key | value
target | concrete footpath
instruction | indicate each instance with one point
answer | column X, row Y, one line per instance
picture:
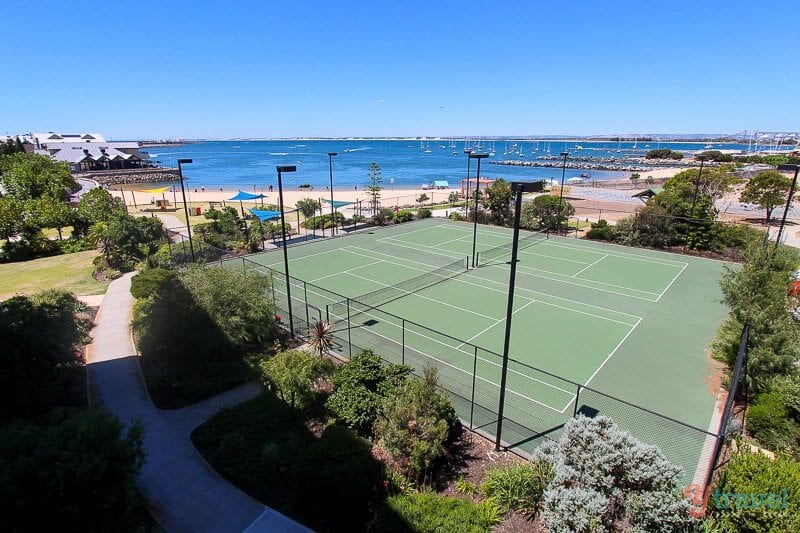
column 183, row 492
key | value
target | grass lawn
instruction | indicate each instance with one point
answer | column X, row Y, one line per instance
column 70, row 272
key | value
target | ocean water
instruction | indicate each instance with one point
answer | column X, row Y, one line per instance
column 408, row 164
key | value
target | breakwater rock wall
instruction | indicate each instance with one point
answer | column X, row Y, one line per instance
column 145, row 175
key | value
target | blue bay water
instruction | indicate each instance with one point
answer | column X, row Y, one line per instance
column 244, row 164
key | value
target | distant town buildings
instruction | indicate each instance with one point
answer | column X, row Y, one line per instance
column 86, row 152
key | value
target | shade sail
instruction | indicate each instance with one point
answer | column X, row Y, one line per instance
column 264, row 215
column 158, row 190
column 337, row 203
column 241, row 195
column 441, row 183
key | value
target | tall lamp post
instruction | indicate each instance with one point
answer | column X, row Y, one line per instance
column 185, row 205
column 282, row 169
column 466, row 207
column 519, row 187
column 477, row 190
column 561, row 192
column 331, row 155
column 786, row 168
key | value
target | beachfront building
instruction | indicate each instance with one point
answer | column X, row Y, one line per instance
column 87, row 152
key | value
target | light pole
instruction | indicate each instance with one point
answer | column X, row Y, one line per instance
column 281, row 169
column 519, row 187
column 331, row 155
column 477, row 190
column 786, row 168
column 185, row 205
column 466, row 197
column 561, row 192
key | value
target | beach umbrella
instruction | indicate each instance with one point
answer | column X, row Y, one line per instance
column 242, row 196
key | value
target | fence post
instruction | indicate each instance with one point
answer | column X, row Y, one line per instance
column 349, row 337
column 327, row 314
column 403, row 342
column 305, row 297
column 577, row 397
column 472, row 399
column 244, row 267
column 272, row 283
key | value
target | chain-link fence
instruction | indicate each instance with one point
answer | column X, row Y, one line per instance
column 538, row 403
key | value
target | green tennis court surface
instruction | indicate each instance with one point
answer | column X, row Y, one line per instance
column 633, row 324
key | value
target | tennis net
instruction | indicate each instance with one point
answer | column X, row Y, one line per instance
column 493, row 254
column 338, row 311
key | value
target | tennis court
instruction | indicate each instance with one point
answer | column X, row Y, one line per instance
column 631, row 323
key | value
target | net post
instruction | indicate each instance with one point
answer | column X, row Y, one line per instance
column 305, row 298
column 472, row 399
column 349, row 337
column 403, row 341
column 477, row 259
column 577, row 397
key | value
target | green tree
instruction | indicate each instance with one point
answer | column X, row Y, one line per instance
column 604, row 477
column 497, row 199
column 11, row 217
column 307, row 206
column 294, row 374
column 415, row 421
column 635, row 177
column 452, row 198
column 422, row 199
column 543, row 213
column 713, row 181
column 374, row 185
column 49, row 212
column 98, row 205
column 77, row 470
column 30, row 176
column 767, row 190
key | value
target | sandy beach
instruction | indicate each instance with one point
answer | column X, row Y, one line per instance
column 389, row 195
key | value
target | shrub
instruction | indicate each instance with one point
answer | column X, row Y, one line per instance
column 517, row 487
column 336, row 480
column 77, row 470
column 754, row 473
column 359, row 387
column 464, row 486
column 424, row 213
column 38, row 340
column 294, row 374
column 768, row 421
column 601, row 231
column 430, row 512
column 544, row 213
column 148, row 282
column 404, row 215
column 415, row 422
column 383, row 216
column 603, row 477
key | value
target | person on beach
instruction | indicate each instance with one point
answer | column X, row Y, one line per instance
column 270, row 188
column 203, row 188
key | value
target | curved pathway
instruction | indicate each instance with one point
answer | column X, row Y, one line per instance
column 183, row 492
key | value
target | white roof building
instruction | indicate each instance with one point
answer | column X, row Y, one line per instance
column 86, row 152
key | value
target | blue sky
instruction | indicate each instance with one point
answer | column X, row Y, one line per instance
column 339, row 68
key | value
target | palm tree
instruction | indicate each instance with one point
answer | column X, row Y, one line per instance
column 320, row 337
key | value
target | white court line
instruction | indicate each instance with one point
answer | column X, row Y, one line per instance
column 575, row 275
column 346, row 271
column 426, row 228
column 523, row 267
column 621, row 255
column 411, row 293
column 552, row 279
column 635, row 256
column 393, row 243
column 671, row 282
column 481, row 332
column 467, row 372
column 526, row 252
column 521, row 289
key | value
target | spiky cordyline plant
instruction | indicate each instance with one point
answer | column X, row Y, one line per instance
column 320, row 337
